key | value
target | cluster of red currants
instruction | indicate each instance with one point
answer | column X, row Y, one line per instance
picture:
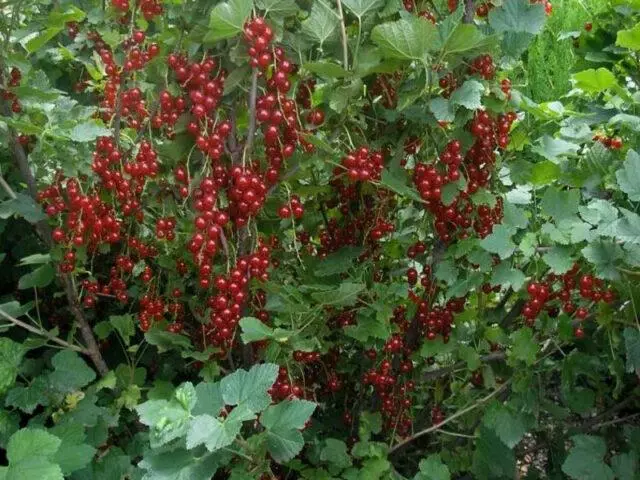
column 437, row 320
column 203, row 86
column 483, row 66
column 362, row 165
column 448, row 83
column 483, row 9
column 170, row 110
column 86, row 219
column 226, row 306
column 306, row 357
column 181, row 177
column 258, row 36
column 165, row 228
column 557, row 292
column 283, row 387
column 247, row 193
column 395, row 399
column 294, row 208
column 208, row 223
column 614, row 143
column 15, row 77
column 149, row 8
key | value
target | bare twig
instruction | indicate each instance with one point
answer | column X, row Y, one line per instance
column 42, row 333
column 456, row 415
column 85, row 329
column 343, row 34
column 444, row 371
column 469, row 11
column 44, row 232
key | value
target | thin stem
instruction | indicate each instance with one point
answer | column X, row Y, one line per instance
column 7, row 188
column 455, row 434
column 343, row 35
column 42, row 333
column 456, row 415
column 118, row 113
column 253, row 94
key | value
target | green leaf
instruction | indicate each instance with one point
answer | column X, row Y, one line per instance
column 629, row 176
column 552, row 148
column 629, row 38
column 177, row 465
column 208, row 399
column 24, row 206
column 327, row 69
column 278, row 8
column 507, row 424
column 73, row 453
column 463, row 38
column 397, row 183
column 469, row 95
column 586, row 459
column 594, row 81
column 338, row 262
column 508, row 277
column 216, row 434
column 321, row 25
column 559, row 259
column 166, row 341
column 227, row 19
column 407, row 39
column 253, row 330
column 11, row 354
column 88, row 131
column 560, row 204
column 36, row 467
column 250, row 388
column 288, row 414
column 42, row 38
column 432, row 468
column 360, row 8
column 40, row 277
column 124, row 326
column 346, row 295
column 499, row 242
column 283, row 422
column 604, row 255
column 518, row 16
column 625, row 466
column 442, row 109
column 284, row 444
column 514, row 44
column 447, row 272
column 524, row 347
column 28, row 398
column 632, row 347
column 514, row 216
column 335, row 452
column 627, row 229
column 167, row 420
column 28, row 443
column 70, row 371
column 492, row 458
